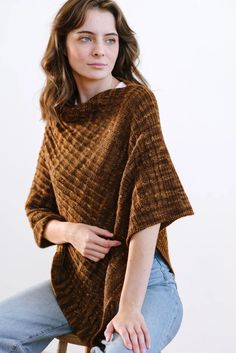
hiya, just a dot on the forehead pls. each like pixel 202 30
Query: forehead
pixel 98 21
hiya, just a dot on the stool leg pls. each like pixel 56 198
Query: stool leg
pixel 62 346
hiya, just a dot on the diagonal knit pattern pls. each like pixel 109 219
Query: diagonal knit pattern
pixel 105 164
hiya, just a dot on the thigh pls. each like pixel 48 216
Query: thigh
pixel 31 319
pixel 162 307
pixel 162 310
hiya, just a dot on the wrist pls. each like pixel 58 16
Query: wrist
pixel 55 231
pixel 66 231
pixel 129 306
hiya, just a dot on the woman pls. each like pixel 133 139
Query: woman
pixel 104 191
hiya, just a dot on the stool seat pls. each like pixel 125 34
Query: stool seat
pixel 69 338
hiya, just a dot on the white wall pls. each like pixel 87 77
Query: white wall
pixel 188 56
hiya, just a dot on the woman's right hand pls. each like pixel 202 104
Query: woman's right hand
pixel 88 240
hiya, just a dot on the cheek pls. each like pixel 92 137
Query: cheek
pixel 72 59
pixel 114 53
pixel 77 52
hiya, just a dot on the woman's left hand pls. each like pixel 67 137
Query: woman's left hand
pixel 130 324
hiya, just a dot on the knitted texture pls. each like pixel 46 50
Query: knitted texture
pixel 105 164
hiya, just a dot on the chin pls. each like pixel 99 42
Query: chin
pixel 95 76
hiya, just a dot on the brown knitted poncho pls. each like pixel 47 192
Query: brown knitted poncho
pixel 105 164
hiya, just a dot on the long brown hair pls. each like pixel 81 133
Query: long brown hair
pixel 60 88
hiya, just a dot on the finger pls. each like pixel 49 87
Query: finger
pixel 141 340
pixel 109 331
pixel 105 243
pixel 125 337
pixel 93 258
pixel 93 249
pixel 101 231
pixel 147 336
pixel 94 254
pixel 116 243
pixel 101 253
pixel 134 340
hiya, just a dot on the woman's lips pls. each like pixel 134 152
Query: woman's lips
pixel 97 65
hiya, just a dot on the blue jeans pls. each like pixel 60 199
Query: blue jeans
pixel 31 319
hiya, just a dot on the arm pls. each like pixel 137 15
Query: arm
pixel 129 317
pixel 158 199
pixel 49 226
pixel 41 206
pixel 56 232
pixel 140 258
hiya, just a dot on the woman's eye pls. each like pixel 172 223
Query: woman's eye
pixel 111 40
pixel 84 39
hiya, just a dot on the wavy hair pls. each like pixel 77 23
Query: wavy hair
pixel 60 88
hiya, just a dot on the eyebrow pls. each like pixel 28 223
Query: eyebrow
pixel 107 34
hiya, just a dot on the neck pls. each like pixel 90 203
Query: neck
pixel 89 88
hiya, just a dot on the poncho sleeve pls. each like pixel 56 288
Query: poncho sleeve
pixel 41 205
pixel 157 193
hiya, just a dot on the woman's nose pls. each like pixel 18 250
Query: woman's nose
pixel 98 49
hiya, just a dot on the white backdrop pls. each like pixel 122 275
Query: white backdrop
pixel 188 56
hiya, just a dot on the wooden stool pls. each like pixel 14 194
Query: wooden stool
pixel 70 338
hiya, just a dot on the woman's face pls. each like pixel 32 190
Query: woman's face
pixel 92 49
